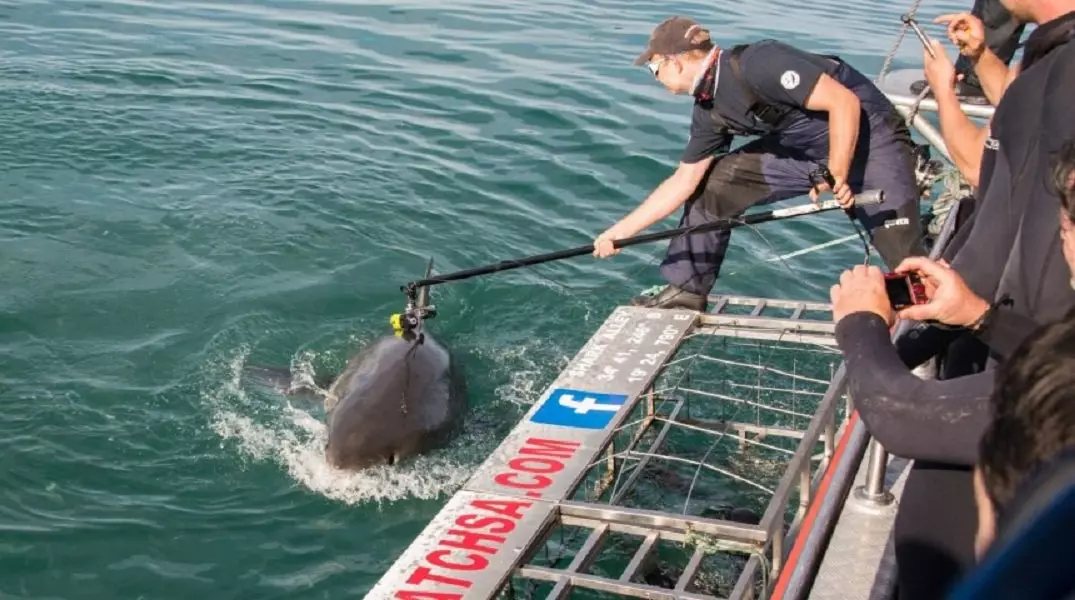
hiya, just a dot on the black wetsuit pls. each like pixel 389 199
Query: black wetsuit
pixel 1002 33
pixel 1012 250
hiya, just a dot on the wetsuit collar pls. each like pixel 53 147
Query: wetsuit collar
pixel 705 84
pixel 1046 38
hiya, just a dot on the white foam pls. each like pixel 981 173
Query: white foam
pixel 527 371
pixel 293 437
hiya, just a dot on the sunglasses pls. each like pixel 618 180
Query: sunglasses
pixel 655 66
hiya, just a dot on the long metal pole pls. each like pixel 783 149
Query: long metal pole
pixel 864 198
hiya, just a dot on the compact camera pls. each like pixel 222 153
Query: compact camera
pixel 904 290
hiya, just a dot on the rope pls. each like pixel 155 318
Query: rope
pixel 899 40
pixel 710 545
pixel 957 188
pixel 918 103
pixel 886 67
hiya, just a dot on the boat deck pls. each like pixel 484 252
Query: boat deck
pixel 859 561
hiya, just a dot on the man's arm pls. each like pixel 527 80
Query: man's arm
pixel 663 201
pixel 844 111
pixel 938 421
pixel 706 142
pixel 785 74
pixel 994 75
pixel 964 139
pixel 923 420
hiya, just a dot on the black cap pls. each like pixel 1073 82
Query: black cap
pixel 673 36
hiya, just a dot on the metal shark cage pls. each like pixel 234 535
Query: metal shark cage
pixel 674 457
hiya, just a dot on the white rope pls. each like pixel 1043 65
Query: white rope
pixel 899 40
pixel 813 248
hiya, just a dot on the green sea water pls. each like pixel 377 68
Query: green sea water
pixel 192 186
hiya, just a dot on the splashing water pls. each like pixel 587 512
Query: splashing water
pixel 293 437
pixel 524 370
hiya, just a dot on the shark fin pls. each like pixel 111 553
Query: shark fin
pixel 281 381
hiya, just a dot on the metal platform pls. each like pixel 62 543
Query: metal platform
pixel 674 457
pixel 860 561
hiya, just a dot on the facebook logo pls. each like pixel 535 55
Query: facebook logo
pixel 577 408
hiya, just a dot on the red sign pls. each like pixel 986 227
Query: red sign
pixel 479 533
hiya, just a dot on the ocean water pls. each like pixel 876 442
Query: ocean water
pixel 190 187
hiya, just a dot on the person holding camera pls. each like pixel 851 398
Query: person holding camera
pixel 939 424
pixel 935 423
pixel 903 412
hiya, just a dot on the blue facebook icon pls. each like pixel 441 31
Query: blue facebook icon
pixel 578 408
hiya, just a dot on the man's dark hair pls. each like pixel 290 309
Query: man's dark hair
pixel 1033 407
pixel 1064 177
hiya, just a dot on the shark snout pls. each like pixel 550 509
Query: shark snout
pixel 357 458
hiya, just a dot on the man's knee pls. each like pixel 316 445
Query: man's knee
pixel 733 184
pixel 897 234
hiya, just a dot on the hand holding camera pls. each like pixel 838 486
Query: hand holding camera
pixel 861 289
pixel 905 290
pixel 920 289
pixel 948 300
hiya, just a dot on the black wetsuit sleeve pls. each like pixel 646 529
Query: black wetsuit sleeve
pixel 922 342
pixel 937 421
pixel 982 257
pixel 1004 330
pixel 706 137
pixel 781 73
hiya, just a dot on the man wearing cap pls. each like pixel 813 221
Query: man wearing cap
pixel 810 112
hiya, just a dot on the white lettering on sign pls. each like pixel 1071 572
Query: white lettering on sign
pixel 621 357
pixel 479 533
pixel 586 360
pixel 637 375
pixel 639 334
pixel 670 332
pixel 608 373
pixel 615 325
pixel 651 358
